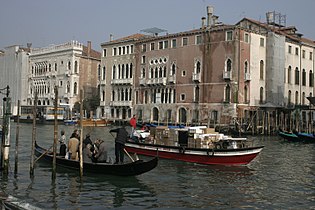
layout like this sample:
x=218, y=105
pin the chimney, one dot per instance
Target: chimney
x=209, y=15
x=203, y=22
x=111, y=37
x=89, y=44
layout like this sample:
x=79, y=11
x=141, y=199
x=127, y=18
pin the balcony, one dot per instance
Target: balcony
x=172, y=79
x=121, y=103
x=196, y=77
x=122, y=81
x=142, y=81
x=102, y=82
x=67, y=73
x=227, y=75
x=247, y=77
x=157, y=81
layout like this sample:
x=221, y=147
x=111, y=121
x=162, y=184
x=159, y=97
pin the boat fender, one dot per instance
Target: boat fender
x=182, y=150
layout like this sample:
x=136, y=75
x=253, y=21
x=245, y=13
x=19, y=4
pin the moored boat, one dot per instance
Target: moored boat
x=208, y=148
x=292, y=137
x=306, y=137
x=127, y=169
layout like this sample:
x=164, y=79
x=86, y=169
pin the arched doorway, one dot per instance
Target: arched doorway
x=155, y=113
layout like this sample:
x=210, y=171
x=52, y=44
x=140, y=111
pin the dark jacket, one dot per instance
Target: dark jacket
x=122, y=135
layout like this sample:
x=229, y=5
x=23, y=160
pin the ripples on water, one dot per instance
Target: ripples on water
x=281, y=177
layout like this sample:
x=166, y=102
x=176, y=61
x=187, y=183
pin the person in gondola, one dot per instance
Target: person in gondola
x=87, y=140
x=63, y=147
x=101, y=155
x=73, y=147
x=120, y=140
x=87, y=153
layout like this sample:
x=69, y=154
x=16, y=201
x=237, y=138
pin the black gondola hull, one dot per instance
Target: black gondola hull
x=127, y=169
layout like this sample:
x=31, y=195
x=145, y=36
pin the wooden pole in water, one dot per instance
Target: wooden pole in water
x=55, y=133
x=6, y=132
x=81, y=134
x=17, y=138
x=33, y=136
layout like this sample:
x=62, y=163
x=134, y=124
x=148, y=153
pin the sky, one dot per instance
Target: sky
x=48, y=22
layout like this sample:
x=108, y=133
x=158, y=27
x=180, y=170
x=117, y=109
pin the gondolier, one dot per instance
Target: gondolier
x=120, y=140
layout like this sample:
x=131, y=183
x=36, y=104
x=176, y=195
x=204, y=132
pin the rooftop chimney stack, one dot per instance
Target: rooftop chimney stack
x=89, y=46
x=209, y=15
x=111, y=37
x=203, y=22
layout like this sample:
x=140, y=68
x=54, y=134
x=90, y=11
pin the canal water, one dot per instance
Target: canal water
x=281, y=177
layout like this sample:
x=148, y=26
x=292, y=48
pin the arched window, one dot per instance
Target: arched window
x=114, y=72
x=173, y=70
x=297, y=76
x=68, y=87
x=69, y=65
x=130, y=71
x=229, y=65
x=127, y=71
x=182, y=116
x=75, y=88
x=104, y=73
x=261, y=95
x=261, y=68
x=103, y=95
x=246, y=67
x=227, y=93
x=75, y=67
x=113, y=95
x=197, y=94
x=296, y=97
x=311, y=79
x=289, y=98
x=303, y=98
x=304, y=77
x=289, y=74
x=198, y=67
x=246, y=95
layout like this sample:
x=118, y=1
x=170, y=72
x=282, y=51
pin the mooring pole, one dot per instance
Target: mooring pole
x=81, y=134
x=33, y=136
x=17, y=138
x=55, y=133
x=6, y=132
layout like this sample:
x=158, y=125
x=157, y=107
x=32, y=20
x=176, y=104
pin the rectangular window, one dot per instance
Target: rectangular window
x=185, y=41
x=290, y=49
x=262, y=42
x=114, y=51
x=165, y=44
x=160, y=45
x=303, y=53
x=229, y=36
x=104, y=53
x=144, y=48
x=152, y=46
x=198, y=39
x=131, y=48
x=296, y=51
x=173, y=43
x=246, y=37
x=311, y=56
x=143, y=59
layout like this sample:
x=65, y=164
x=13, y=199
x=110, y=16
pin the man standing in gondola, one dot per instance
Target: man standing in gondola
x=120, y=140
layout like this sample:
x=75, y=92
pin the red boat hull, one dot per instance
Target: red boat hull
x=202, y=156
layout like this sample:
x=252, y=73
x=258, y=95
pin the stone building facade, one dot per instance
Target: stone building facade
x=70, y=66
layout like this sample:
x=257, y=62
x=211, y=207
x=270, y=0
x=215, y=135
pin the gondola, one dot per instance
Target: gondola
x=127, y=169
x=291, y=137
x=306, y=137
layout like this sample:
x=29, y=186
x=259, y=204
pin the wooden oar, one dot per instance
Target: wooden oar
x=48, y=150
